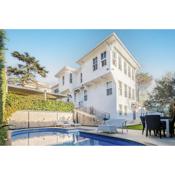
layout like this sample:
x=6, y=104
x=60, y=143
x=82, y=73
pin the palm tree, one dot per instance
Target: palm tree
x=26, y=73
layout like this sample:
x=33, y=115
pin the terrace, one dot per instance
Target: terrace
x=53, y=131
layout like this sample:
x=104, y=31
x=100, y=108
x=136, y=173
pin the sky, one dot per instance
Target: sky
x=153, y=49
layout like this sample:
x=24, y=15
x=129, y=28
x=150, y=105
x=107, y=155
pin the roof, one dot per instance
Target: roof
x=36, y=84
x=54, y=86
x=29, y=91
x=110, y=38
x=64, y=69
x=43, y=84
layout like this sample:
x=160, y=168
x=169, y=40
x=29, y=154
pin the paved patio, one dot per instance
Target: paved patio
x=137, y=136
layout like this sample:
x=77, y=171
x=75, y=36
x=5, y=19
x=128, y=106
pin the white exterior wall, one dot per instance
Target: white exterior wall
x=67, y=84
x=119, y=75
x=87, y=68
x=98, y=99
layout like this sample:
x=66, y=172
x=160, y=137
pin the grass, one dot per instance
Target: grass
x=3, y=136
x=135, y=127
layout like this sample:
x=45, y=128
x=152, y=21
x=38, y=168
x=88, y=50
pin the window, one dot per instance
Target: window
x=114, y=58
x=133, y=74
x=85, y=95
x=95, y=64
x=70, y=78
x=56, y=91
x=103, y=59
x=63, y=80
x=120, y=110
x=129, y=92
x=81, y=78
x=114, y=55
x=129, y=71
x=120, y=63
x=125, y=111
x=125, y=68
x=133, y=94
x=109, y=88
x=126, y=91
x=120, y=88
x=75, y=97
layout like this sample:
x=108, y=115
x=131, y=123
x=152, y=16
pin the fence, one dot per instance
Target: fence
x=27, y=119
x=32, y=119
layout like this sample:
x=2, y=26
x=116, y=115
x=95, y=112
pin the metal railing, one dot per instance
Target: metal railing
x=99, y=114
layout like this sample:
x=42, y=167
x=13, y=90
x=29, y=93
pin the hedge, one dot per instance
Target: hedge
x=3, y=136
x=16, y=102
x=2, y=77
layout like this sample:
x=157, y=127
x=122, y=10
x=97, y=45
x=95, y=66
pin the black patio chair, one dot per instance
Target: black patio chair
x=171, y=124
x=153, y=123
x=142, y=118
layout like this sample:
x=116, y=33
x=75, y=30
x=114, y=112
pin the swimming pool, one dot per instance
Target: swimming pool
x=65, y=137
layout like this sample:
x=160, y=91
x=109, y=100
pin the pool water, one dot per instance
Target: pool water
x=64, y=137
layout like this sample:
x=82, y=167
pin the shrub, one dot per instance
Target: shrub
x=3, y=136
x=2, y=77
x=20, y=102
x=172, y=109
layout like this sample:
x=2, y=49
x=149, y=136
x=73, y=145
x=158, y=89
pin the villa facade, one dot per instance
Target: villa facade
x=105, y=80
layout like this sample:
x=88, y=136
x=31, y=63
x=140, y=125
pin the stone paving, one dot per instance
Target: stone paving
x=136, y=135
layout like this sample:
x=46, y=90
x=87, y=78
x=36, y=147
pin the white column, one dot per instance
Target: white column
x=110, y=56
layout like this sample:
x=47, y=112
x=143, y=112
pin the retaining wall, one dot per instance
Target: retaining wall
x=29, y=119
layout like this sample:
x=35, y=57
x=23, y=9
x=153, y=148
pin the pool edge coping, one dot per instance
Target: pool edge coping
x=81, y=130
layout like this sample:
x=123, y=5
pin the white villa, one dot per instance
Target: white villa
x=104, y=83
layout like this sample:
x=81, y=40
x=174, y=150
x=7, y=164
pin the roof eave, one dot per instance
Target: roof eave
x=122, y=44
x=65, y=68
x=105, y=40
x=81, y=59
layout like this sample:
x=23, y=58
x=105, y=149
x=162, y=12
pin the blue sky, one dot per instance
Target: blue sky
x=154, y=49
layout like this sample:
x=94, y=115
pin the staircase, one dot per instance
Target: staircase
x=86, y=119
x=98, y=114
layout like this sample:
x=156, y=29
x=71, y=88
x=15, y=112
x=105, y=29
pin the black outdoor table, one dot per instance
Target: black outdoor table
x=167, y=123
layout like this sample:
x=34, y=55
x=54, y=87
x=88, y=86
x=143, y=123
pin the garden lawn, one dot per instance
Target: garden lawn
x=135, y=127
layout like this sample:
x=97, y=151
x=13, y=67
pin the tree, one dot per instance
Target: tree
x=26, y=73
x=163, y=94
x=3, y=84
x=172, y=109
x=143, y=80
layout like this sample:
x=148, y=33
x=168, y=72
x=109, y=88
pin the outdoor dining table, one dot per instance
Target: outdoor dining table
x=167, y=121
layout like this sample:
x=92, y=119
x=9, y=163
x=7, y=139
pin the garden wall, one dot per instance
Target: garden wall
x=29, y=119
